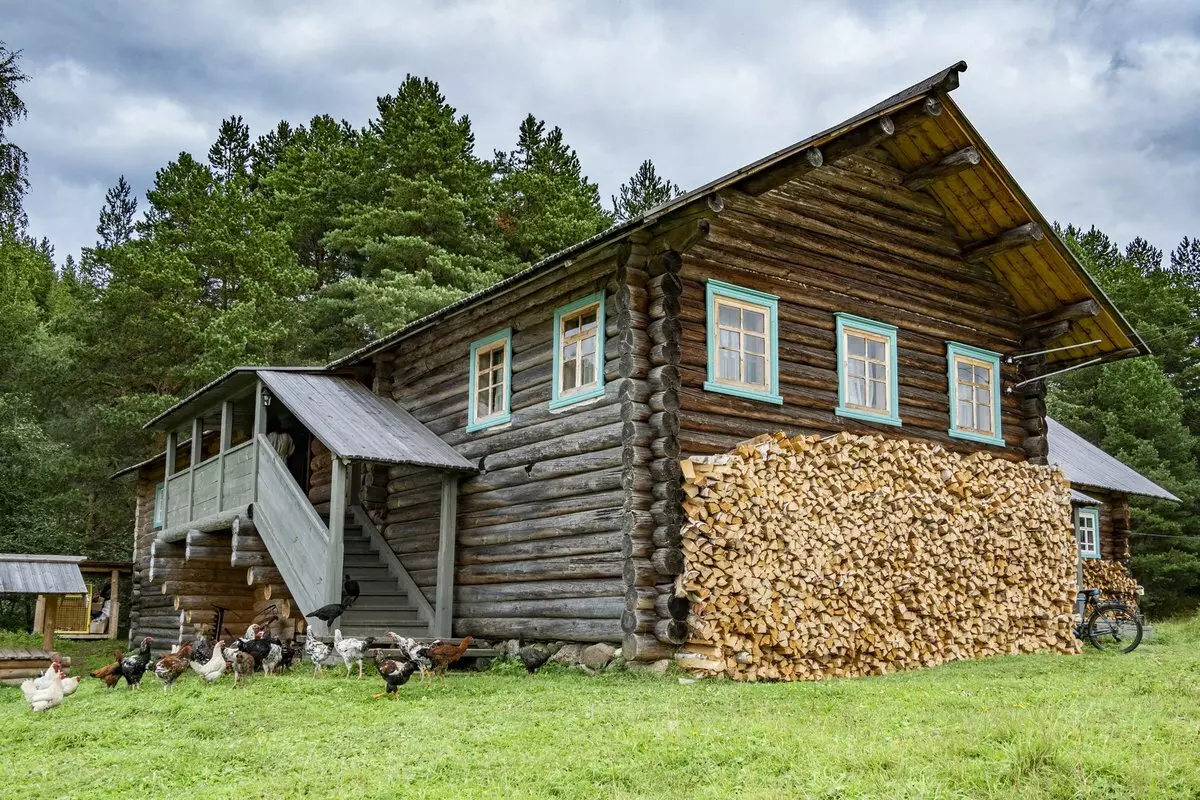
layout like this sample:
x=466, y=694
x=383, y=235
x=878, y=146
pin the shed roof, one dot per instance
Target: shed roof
x=981, y=202
x=40, y=574
x=1086, y=465
x=355, y=423
x=1081, y=499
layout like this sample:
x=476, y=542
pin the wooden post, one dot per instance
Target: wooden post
x=193, y=460
x=337, y=521
x=443, y=611
x=114, y=602
x=50, y=622
x=260, y=429
x=226, y=439
x=39, y=614
x=356, y=470
x=168, y=471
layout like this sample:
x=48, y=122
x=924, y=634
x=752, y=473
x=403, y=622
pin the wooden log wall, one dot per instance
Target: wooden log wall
x=653, y=629
x=1110, y=573
x=541, y=528
x=858, y=555
x=320, y=476
x=150, y=614
x=846, y=238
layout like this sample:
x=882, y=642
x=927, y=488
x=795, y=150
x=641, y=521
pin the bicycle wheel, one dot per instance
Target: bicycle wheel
x=1114, y=628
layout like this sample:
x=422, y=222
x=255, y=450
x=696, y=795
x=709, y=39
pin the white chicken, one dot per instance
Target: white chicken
x=70, y=685
x=214, y=668
x=349, y=650
x=317, y=651
x=49, y=695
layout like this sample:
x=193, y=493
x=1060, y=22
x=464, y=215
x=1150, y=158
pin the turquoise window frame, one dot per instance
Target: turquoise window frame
x=499, y=419
x=993, y=360
x=714, y=289
x=557, y=398
x=1094, y=514
x=157, y=520
x=845, y=322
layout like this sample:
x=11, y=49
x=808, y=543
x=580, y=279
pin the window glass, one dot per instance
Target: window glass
x=742, y=344
x=866, y=366
x=579, y=343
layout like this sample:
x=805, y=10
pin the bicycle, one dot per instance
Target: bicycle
x=1110, y=626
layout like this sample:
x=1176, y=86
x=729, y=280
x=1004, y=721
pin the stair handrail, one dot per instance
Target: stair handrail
x=424, y=608
x=293, y=531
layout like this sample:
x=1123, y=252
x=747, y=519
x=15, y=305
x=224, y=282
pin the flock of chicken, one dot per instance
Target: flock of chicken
x=257, y=650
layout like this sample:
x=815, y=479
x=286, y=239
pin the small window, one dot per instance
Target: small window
x=742, y=342
x=974, y=377
x=867, y=377
x=1087, y=530
x=578, y=351
x=159, y=510
x=491, y=381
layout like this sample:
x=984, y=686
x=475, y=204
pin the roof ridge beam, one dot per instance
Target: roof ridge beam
x=1010, y=239
x=1084, y=308
x=952, y=164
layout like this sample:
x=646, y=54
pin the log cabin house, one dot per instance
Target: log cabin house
x=509, y=465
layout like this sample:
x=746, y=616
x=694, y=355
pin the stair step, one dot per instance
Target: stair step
x=361, y=616
x=382, y=602
x=370, y=575
x=377, y=587
x=380, y=632
x=362, y=560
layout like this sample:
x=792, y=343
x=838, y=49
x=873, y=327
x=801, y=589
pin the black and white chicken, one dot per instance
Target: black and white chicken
x=395, y=673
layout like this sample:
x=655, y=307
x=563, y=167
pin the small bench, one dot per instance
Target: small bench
x=19, y=663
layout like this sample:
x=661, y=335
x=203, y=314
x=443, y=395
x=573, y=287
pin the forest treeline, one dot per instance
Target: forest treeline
x=307, y=240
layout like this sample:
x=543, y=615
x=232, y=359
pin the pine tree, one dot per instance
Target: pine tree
x=14, y=181
x=116, y=217
x=642, y=192
x=546, y=202
x=229, y=155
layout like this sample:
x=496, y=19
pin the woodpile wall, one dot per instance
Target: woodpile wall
x=541, y=529
x=848, y=238
x=859, y=555
x=1112, y=578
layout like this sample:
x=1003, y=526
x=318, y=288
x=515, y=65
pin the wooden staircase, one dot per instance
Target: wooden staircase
x=383, y=604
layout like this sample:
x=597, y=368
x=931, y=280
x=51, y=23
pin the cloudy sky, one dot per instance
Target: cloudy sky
x=1093, y=105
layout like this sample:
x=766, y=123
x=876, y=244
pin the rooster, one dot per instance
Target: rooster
x=350, y=591
x=349, y=650
x=171, y=666
x=444, y=654
x=331, y=612
x=394, y=673
x=110, y=673
x=134, y=667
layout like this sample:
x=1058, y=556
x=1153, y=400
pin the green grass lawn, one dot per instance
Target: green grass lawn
x=1024, y=726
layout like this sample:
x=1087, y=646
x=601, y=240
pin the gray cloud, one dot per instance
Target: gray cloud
x=1091, y=105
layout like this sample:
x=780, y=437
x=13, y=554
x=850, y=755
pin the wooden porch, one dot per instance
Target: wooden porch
x=233, y=477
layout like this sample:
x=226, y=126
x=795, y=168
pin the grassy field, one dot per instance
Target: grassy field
x=1025, y=726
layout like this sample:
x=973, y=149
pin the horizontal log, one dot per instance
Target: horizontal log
x=1012, y=238
x=638, y=621
x=538, y=590
x=951, y=164
x=573, y=568
x=565, y=545
x=1071, y=311
x=540, y=629
x=606, y=608
x=671, y=631
x=242, y=515
x=670, y=606
x=667, y=561
x=645, y=647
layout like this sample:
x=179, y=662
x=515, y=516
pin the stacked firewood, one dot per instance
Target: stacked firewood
x=859, y=555
x=320, y=476
x=1112, y=578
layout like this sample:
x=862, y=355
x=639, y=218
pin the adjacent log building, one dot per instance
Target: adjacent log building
x=509, y=466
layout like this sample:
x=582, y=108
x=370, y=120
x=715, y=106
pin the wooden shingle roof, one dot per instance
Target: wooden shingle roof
x=40, y=574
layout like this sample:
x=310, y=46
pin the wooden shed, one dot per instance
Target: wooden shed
x=53, y=577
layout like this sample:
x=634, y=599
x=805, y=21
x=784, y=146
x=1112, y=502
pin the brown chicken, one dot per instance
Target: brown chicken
x=111, y=673
x=171, y=666
x=443, y=654
x=243, y=666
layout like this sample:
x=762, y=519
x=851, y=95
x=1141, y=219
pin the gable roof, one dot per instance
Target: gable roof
x=982, y=202
x=1086, y=465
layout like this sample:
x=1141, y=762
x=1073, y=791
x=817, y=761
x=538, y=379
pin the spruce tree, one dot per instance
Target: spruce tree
x=14, y=181
x=116, y=217
x=546, y=202
x=642, y=192
x=229, y=155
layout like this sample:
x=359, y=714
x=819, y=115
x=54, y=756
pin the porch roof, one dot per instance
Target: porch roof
x=355, y=423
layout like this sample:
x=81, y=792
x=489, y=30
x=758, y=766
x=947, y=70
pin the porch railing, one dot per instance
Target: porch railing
x=295, y=535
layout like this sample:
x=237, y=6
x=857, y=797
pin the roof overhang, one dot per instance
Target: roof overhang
x=41, y=574
x=208, y=398
x=1086, y=466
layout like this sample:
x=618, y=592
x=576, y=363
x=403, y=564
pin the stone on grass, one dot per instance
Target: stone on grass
x=568, y=654
x=598, y=655
x=658, y=668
